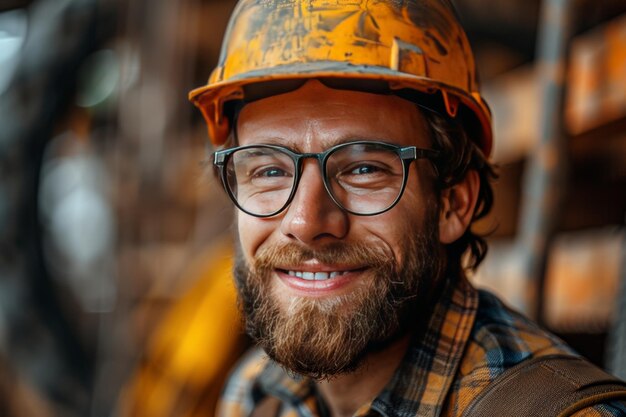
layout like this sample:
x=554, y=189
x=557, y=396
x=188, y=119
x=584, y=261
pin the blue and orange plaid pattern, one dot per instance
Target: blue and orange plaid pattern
x=470, y=340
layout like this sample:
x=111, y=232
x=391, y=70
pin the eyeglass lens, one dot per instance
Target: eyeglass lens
x=365, y=178
x=362, y=178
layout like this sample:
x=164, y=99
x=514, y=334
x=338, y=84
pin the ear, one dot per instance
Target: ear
x=457, y=207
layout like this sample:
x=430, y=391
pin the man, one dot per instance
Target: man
x=355, y=146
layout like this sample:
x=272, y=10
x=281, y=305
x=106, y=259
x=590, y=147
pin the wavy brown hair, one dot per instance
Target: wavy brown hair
x=459, y=154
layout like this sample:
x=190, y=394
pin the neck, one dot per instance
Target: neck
x=344, y=394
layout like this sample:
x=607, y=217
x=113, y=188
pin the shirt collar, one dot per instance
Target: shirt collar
x=421, y=382
x=423, y=379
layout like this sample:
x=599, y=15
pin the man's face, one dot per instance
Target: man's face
x=374, y=272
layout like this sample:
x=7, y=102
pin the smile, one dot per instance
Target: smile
x=319, y=280
x=316, y=276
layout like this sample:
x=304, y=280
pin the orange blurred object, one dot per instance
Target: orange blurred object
x=597, y=93
x=193, y=348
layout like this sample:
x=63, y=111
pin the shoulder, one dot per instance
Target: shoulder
x=500, y=339
x=238, y=398
x=551, y=385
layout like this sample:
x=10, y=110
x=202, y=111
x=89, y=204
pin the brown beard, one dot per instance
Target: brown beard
x=321, y=338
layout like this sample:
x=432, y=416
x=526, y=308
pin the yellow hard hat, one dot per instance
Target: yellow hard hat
x=410, y=45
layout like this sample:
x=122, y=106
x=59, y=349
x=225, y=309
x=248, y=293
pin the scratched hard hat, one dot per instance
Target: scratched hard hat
x=416, y=45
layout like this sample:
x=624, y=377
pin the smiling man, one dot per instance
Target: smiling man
x=315, y=279
x=355, y=144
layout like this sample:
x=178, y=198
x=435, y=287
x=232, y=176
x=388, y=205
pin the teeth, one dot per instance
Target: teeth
x=316, y=276
x=321, y=276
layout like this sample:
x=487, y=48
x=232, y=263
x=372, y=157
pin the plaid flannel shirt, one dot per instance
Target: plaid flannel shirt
x=471, y=338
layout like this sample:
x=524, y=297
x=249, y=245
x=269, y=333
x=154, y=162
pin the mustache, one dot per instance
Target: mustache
x=269, y=257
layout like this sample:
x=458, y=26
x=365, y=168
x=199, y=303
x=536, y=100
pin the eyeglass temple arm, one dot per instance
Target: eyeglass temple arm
x=413, y=153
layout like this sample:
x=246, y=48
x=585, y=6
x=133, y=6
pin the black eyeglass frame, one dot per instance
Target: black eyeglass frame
x=406, y=154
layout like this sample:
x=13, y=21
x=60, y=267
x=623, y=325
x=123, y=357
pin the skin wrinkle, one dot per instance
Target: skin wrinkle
x=327, y=138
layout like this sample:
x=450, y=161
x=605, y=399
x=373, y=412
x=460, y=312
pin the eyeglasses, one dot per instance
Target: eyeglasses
x=364, y=178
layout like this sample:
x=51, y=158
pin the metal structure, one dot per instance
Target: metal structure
x=545, y=173
x=43, y=344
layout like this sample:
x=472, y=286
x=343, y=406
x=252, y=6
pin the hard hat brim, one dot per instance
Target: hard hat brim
x=216, y=94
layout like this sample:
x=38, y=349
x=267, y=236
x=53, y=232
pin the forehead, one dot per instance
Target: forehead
x=315, y=117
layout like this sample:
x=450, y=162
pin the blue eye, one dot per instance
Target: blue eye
x=364, y=170
x=272, y=172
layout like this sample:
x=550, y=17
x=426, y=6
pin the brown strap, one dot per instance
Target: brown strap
x=268, y=407
x=549, y=386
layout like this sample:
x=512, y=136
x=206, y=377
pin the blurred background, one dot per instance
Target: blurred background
x=115, y=294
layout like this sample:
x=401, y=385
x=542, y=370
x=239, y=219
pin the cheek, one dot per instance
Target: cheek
x=404, y=221
x=419, y=198
x=252, y=233
x=391, y=229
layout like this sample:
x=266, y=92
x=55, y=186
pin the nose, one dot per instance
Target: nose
x=313, y=217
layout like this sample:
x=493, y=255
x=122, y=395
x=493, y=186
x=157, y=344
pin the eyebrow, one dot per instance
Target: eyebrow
x=278, y=141
x=326, y=144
